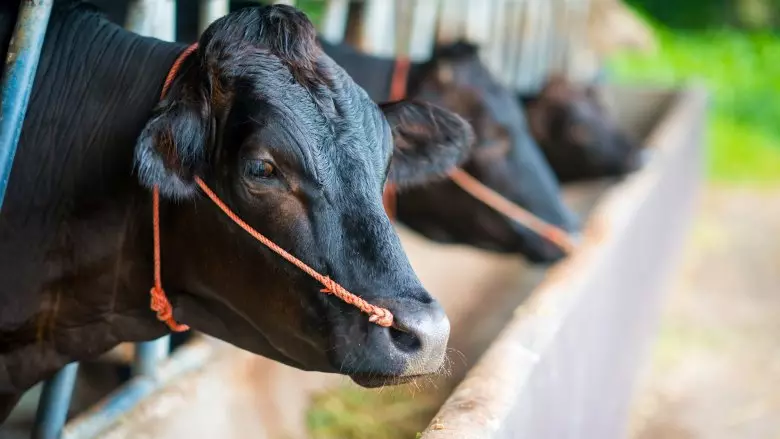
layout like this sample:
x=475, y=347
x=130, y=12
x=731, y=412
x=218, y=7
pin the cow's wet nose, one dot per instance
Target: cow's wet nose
x=419, y=335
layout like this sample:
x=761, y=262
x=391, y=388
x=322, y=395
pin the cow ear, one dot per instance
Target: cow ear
x=171, y=146
x=429, y=141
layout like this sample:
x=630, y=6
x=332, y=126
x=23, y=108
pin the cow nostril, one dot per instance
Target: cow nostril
x=405, y=341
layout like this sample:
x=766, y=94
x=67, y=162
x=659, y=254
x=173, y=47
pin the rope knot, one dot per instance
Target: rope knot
x=164, y=310
x=381, y=317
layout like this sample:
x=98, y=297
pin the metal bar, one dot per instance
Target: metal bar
x=403, y=14
x=452, y=21
x=21, y=63
x=153, y=18
x=149, y=354
x=378, y=28
x=422, y=36
x=211, y=10
x=103, y=415
x=493, y=55
x=528, y=39
x=53, y=405
x=334, y=23
x=478, y=23
x=513, y=44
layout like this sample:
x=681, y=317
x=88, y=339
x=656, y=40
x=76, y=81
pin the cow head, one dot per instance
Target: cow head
x=504, y=157
x=577, y=136
x=300, y=152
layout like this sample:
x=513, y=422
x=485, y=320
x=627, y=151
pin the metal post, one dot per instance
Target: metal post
x=378, y=28
x=21, y=63
x=334, y=24
x=118, y=404
x=149, y=354
x=452, y=21
x=153, y=18
x=422, y=38
x=211, y=10
x=494, y=51
x=53, y=405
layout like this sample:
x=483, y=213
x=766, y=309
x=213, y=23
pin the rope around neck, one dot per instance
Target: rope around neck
x=160, y=303
x=474, y=187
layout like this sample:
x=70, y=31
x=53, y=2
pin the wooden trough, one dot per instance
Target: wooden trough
x=573, y=337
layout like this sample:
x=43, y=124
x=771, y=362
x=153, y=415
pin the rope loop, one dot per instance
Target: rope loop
x=159, y=301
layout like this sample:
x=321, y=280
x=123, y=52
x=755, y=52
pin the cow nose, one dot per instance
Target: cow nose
x=419, y=335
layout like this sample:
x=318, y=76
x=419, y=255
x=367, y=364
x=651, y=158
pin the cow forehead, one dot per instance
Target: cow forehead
x=335, y=124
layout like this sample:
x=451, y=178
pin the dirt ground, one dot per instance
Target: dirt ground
x=715, y=370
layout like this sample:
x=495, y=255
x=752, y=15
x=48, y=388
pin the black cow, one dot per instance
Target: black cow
x=504, y=157
x=579, y=139
x=280, y=132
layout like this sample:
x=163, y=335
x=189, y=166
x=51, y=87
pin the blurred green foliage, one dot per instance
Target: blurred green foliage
x=709, y=14
x=742, y=72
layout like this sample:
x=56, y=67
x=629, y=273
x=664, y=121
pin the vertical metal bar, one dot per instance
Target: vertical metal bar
x=543, y=56
x=404, y=15
x=210, y=10
x=478, y=23
x=334, y=23
x=153, y=18
x=149, y=354
x=378, y=27
x=55, y=400
x=513, y=44
x=21, y=63
x=493, y=52
x=452, y=21
x=528, y=42
x=423, y=30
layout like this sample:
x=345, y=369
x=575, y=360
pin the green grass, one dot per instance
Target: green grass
x=349, y=412
x=741, y=71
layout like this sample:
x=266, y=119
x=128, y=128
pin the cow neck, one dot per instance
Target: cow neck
x=73, y=265
x=472, y=186
x=159, y=301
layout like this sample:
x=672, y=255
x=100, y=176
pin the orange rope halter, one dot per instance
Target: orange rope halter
x=160, y=303
x=474, y=187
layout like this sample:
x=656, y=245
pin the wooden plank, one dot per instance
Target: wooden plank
x=334, y=22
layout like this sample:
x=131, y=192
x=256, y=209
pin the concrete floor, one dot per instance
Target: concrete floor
x=715, y=371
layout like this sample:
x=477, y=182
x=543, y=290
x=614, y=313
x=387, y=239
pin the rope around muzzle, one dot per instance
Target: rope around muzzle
x=474, y=187
x=161, y=305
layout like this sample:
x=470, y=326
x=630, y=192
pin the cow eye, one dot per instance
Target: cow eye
x=258, y=169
